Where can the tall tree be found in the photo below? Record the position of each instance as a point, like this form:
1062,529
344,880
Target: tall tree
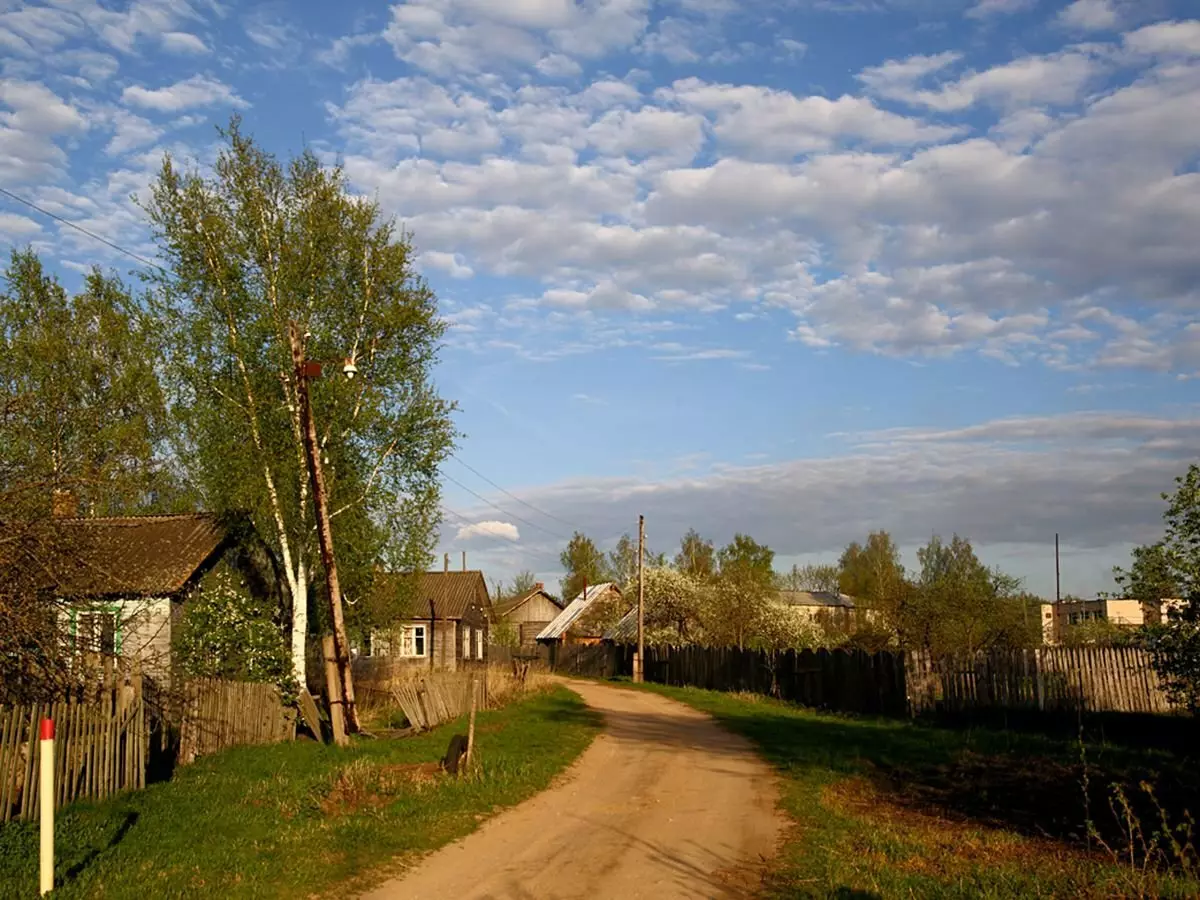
584,563
623,562
743,590
825,578
83,411
696,556
249,250
961,606
1151,578
872,573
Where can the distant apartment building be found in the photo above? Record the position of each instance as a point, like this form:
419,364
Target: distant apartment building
1058,617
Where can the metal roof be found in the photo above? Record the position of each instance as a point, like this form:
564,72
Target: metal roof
816,598
625,630
576,608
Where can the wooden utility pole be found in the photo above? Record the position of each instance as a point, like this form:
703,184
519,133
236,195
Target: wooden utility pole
324,531
333,683
640,659
1057,576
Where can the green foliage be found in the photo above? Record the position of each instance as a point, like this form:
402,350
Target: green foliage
81,407
226,633
506,635
696,556
251,249
1101,633
675,605
873,575
959,605
742,593
584,564
623,562
1170,569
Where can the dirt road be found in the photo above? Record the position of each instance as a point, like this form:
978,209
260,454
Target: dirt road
663,804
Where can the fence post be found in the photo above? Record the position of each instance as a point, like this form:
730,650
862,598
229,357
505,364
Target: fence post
46,801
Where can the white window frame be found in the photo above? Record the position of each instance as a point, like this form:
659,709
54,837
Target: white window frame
466,642
479,643
409,641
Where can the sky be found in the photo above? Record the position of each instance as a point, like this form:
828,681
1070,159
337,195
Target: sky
797,268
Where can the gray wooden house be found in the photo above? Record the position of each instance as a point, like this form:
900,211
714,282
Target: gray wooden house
528,614
447,628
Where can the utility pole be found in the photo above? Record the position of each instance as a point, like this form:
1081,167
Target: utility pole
639,666
324,532
1057,576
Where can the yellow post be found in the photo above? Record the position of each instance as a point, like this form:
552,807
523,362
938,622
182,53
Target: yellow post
46,802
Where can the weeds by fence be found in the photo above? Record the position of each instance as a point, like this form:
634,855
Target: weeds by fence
100,748
219,714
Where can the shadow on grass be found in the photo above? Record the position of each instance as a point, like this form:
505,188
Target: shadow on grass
1031,784
130,819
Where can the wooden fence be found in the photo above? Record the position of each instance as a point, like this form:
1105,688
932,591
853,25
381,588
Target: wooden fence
100,748
440,697
1054,679
841,680
219,714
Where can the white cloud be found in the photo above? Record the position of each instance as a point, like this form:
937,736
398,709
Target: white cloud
131,132
769,123
1167,38
450,263
1090,15
199,90
1056,78
17,228
183,42
986,9
505,531
35,108
447,37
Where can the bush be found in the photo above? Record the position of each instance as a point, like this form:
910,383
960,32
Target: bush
226,633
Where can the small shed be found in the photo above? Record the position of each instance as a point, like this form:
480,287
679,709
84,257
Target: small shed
529,613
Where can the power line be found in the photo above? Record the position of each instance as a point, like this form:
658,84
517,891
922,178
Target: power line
515,497
81,229
502,509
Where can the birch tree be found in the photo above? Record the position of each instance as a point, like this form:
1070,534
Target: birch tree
249,248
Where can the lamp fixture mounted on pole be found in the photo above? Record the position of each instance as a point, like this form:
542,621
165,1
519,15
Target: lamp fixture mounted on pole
305,370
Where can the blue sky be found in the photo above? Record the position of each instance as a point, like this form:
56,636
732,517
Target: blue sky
801,268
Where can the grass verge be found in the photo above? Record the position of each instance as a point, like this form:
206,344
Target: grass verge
883,808
300,818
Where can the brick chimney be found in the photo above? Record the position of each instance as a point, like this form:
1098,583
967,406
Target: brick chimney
64,504
539,586
445,563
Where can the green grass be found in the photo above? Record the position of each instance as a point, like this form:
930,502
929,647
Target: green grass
883,808
300,818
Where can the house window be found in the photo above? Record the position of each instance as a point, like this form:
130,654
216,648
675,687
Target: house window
96,632
466,642
412,640
479,643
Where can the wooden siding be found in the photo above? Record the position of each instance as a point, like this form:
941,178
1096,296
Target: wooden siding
537,609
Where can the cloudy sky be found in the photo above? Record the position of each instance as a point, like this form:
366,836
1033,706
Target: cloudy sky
800,268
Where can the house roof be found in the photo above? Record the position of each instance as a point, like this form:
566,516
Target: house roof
504,607
576,608
144,555
816,598
625,630
449,593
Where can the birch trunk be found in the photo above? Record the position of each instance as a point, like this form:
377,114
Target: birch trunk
299,624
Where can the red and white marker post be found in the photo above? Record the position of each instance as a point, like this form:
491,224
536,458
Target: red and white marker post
46,802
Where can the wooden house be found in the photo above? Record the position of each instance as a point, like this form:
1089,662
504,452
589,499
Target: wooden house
448,626
124,581
527,614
